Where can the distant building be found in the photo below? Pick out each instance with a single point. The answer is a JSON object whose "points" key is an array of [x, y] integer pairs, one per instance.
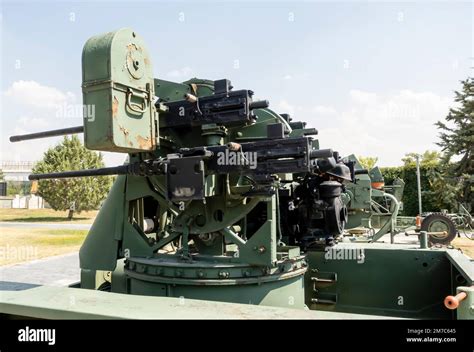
{"points": [[16, 173], [16, 170], [23, 202]]}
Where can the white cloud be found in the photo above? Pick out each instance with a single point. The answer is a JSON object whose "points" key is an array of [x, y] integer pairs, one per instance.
{"points": [[287, 77], [362, 97], [324, 110], [114, 159], [31, 150], [33, 122], [36, 95], [32, 107], [184, 72], [285, 107], [386, 126]]}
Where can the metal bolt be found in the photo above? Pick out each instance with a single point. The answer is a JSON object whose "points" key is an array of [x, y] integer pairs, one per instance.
{"points": [[223, 274]]}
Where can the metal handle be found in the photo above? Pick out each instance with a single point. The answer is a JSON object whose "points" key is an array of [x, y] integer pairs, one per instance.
{"points": [[140, 108], [452, 302]]}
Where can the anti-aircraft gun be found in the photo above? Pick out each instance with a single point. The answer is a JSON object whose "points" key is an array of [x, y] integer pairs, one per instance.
{"points": [[223, 199], [219, 193]]}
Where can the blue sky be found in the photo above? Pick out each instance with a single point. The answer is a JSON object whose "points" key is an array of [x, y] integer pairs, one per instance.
{"points": [[372, 77]]}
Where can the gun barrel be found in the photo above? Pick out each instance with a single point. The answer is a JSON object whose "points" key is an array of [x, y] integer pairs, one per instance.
{"points": [[321, 153], [45, 134], [260, 104], [105, 171]]}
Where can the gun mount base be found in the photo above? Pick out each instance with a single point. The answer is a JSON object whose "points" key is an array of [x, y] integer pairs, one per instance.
{"points": [[216, 279]]}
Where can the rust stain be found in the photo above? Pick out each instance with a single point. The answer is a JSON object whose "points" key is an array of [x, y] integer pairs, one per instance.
{"points": [[126, 135], [133, 46], [115, 105], [144, 143], [124, 130]]}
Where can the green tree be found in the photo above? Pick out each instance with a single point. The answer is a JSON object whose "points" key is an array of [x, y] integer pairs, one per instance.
{"points": [[85, 193], [436, 193], [368, 162], [429, 158], [1, 175], [410, 193], [444, 194], [457, 142], [18, 187]]}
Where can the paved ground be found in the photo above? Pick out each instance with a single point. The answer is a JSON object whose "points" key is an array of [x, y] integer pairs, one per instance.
{"points": [[60, 270], [47, 226]]}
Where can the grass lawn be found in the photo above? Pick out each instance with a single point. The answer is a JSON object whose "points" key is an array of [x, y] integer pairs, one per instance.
{"points": [[23, 244], [46, 215]]}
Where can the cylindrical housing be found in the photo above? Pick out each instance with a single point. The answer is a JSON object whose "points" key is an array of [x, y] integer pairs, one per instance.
{"points": [[321, 153], [261, 104], [423, 239]]}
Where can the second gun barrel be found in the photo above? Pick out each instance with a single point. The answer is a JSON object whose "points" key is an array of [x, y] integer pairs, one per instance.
{"points": [[45, 134], [105, 171]]}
